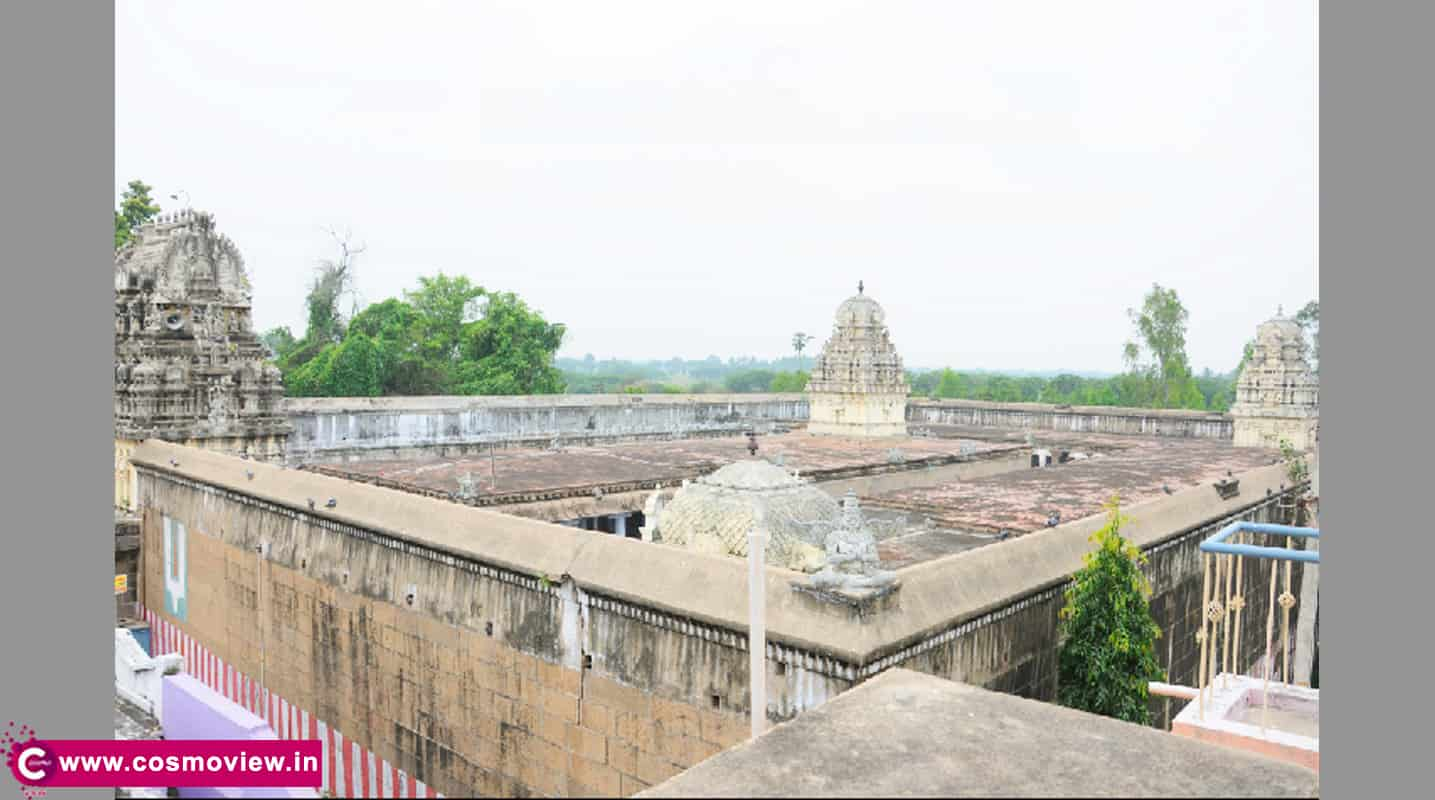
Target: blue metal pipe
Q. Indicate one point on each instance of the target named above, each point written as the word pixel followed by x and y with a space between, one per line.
pixel 1218 543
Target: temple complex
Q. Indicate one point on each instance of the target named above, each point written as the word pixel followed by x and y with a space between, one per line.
pixel 1276 395
pixel 523 596
pixel 857 386
pixel 188 365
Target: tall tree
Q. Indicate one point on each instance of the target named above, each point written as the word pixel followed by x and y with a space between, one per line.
pixel 1161 326
pixel 136 208
pixel 444 304
pixel 509 350
pixel 799 343
pixel 333 283
pixel 1309 320
pixel 1108 650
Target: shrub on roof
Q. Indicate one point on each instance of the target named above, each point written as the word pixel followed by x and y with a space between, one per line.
pixel 1108 653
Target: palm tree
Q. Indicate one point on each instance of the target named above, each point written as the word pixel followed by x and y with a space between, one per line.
pixel 799 343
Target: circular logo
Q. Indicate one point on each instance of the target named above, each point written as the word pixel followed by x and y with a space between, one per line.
pixel 34 763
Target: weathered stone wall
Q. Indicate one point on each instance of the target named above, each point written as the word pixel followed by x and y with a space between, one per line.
pixel 357 428
pixel 353 428
pixel 1014 648
pixel 536 659
pixel 491 681
pixel 1073 419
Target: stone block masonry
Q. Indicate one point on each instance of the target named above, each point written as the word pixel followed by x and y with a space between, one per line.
pixel 363 428
pixel 482 653
pixel 1072 419
pixel 479 685
pixel 346 429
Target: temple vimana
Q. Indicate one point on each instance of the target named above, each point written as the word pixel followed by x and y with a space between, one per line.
pixel 549 595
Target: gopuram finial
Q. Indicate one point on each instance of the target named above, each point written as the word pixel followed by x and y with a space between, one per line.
pixel 859 287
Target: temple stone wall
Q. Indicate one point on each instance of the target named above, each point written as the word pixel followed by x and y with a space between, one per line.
pixel 501 675
pixel 491 681
pixel 343 429
pixel 1078 419
pixel 357 428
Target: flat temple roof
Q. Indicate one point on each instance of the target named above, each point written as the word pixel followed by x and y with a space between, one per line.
pixel 1017 498
pixel 909 734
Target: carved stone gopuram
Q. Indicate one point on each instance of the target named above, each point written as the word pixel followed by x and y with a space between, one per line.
pixel 188 365
pixel 857 386
pixel 1277 397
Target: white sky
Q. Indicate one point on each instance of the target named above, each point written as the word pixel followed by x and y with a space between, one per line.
pixel 684 179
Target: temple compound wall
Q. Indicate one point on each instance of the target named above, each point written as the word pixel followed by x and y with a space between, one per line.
pixel 342 429
pixel 357 428
pixel 1072 419
pixel 483 652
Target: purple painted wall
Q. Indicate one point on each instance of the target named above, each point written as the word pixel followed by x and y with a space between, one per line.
pixel 191 710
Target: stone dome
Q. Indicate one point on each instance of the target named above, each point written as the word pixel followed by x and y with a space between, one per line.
pixel 860 311
pixel 715 513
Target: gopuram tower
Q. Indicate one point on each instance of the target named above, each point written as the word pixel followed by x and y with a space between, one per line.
pixel 188 365
pixel 857 386
pixel 1277 397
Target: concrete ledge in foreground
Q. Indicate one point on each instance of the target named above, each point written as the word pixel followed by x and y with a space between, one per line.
pixel 907 733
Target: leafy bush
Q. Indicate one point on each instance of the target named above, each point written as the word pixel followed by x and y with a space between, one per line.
pixel 1108 655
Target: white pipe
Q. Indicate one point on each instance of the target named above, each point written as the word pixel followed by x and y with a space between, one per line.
pixel 757 628
pixel 1171 690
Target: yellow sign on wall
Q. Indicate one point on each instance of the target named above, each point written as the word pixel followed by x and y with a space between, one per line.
pixel 122 584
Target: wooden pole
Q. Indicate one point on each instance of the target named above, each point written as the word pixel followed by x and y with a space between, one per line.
pixel 1205 598
pixel 1240 602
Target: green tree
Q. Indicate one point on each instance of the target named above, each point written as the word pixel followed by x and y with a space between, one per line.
pixel 1161 326
pixel 354 370
pixel 1063 389
pixel 393 325
pixel 509 350
pixel 952 385
pixel 308 378
pixel 445 305
pixel 136 208
pixel 1108 651
pixel 799 343
pixel 279 341
pixel 788 382
pixel 1309 320
pixel 750 380
pixel 332 284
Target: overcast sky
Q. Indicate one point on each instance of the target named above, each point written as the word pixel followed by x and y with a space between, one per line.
pixel 685 179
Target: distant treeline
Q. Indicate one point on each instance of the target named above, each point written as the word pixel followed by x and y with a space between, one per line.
pixel 1207 391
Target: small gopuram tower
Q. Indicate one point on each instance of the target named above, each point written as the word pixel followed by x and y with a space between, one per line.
pixel 188 365
pixel 1276 395
pixel 857 387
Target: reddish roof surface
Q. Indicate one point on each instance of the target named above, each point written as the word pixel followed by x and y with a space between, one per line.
pixel 1134 467
pixel 526 470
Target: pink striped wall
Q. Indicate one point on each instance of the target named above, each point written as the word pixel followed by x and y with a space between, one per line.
pixel 349 769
